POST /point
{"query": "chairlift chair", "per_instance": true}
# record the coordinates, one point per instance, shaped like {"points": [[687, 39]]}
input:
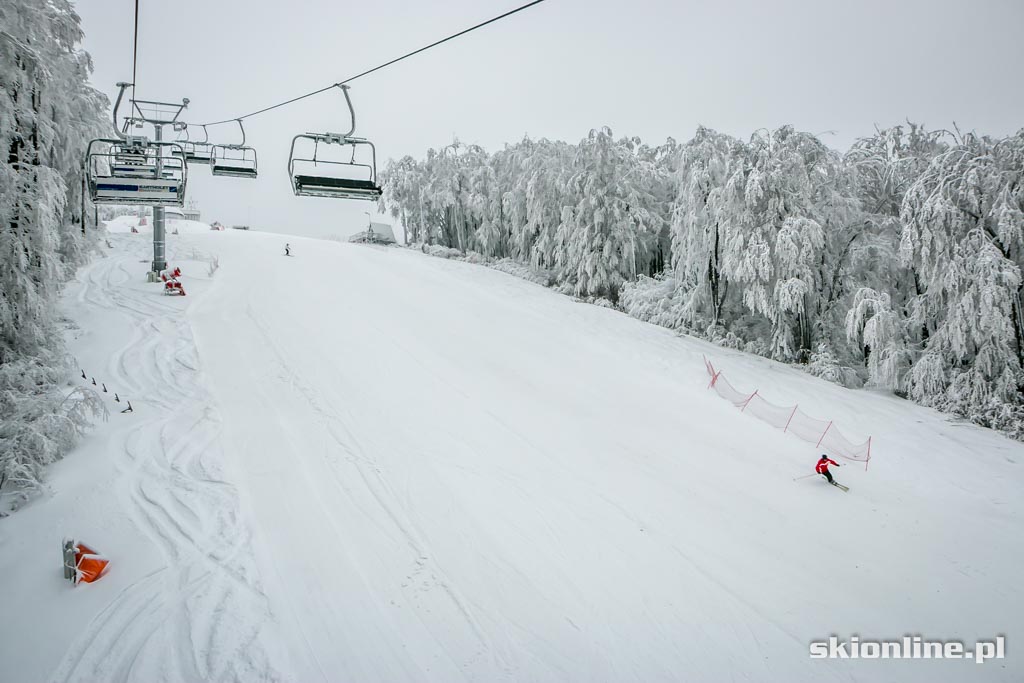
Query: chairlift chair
{"points": [[135, 171], [236, 161], [193, 151], [317, 177]]}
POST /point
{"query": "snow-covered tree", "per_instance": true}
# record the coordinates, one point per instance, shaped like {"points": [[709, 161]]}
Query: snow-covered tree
{"points": [[612, 230], [47, 113], [880, 328], [699, 221], [884, 318], [595, 213], [543, 184], [963, 233], [783, 208]]}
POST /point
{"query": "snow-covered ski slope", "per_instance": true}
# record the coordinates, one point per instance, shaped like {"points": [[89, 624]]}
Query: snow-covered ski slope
{"points": [[366, 464]]}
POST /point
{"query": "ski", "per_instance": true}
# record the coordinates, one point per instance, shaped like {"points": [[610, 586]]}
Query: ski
{"points": [[838, 485]]}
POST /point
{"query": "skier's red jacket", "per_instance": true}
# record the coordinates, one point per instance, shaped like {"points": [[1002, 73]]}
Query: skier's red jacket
{"points": [[822, 466]]}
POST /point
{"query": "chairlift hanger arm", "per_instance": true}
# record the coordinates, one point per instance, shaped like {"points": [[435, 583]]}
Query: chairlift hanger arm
{"points": [[243, 133], [229, 145], [117, 106], [351, 110]]}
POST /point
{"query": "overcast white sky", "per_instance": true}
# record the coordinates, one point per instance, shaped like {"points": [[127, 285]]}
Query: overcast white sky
{"points": [[653, 68]]}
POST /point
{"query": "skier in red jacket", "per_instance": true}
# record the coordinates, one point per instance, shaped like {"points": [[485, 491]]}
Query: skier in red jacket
{"points": [[822, 467]]}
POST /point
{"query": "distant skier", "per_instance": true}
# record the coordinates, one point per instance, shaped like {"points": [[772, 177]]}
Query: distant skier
{"points": [[822, 467], [287, 249]]}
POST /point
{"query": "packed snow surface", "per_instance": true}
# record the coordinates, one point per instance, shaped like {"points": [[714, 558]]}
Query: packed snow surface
{"points": [[363, 463]]}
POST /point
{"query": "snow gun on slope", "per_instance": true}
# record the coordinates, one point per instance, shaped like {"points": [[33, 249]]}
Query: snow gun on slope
{"points": [[172, 286], [82, 563]]}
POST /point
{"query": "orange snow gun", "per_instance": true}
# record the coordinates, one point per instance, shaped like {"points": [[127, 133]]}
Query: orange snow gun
{"points": [[82, 563]]}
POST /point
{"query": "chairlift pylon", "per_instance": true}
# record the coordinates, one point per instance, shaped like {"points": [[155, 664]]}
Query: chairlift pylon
{"points": [[313, 177], [236, 161]]}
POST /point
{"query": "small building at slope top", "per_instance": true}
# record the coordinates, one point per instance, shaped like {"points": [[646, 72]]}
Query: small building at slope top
{"points": [[173, 213], [377, 233]]}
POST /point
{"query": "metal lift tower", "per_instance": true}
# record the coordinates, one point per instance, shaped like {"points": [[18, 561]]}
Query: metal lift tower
{"points": [[157, 114]]}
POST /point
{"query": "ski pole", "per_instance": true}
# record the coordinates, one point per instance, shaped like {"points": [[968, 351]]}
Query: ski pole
{"points": [[813, 474]]}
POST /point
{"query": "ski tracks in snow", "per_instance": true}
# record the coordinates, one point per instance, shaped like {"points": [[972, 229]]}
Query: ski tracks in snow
{"points": [[424, 573], [203, 615]]}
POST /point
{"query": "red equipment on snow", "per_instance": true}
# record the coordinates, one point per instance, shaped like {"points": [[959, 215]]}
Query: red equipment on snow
{"points": [[82, 563], [171, 284]]}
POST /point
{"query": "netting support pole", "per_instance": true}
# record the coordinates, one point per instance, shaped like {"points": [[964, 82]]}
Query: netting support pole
{"points": [[714, 378], [745, 403], [824, 433], [869, 455], [791, 417]]}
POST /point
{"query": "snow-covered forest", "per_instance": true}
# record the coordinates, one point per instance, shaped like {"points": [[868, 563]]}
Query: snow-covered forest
{"points": [[895, 265], [48, 112]]}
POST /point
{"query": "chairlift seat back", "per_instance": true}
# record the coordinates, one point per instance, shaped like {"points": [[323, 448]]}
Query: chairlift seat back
{"points": [[343, 188], [133, 170], [194, 152], [197, 157], [223, 169], [233, 161]]}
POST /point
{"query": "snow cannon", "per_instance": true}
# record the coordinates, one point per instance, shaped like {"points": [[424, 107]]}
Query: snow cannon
{"points": [[171, 284], [82, 563]]}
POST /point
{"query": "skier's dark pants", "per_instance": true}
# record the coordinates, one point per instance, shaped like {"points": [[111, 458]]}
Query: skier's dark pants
{"points": [[828, 475]]}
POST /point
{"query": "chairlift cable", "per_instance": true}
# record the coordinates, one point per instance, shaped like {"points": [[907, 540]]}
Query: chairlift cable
{"points": [[379, 67]]}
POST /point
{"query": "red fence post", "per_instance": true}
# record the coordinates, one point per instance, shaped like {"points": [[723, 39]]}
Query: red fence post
{"points": [[749, 400], [791, 417], [824, 433]]}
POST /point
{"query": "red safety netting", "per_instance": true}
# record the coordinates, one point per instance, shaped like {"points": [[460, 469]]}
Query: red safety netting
{"points": [[823, 433]]}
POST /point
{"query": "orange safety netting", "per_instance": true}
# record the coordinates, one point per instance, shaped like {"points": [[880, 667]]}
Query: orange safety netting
{"points": [[823, 433]]}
